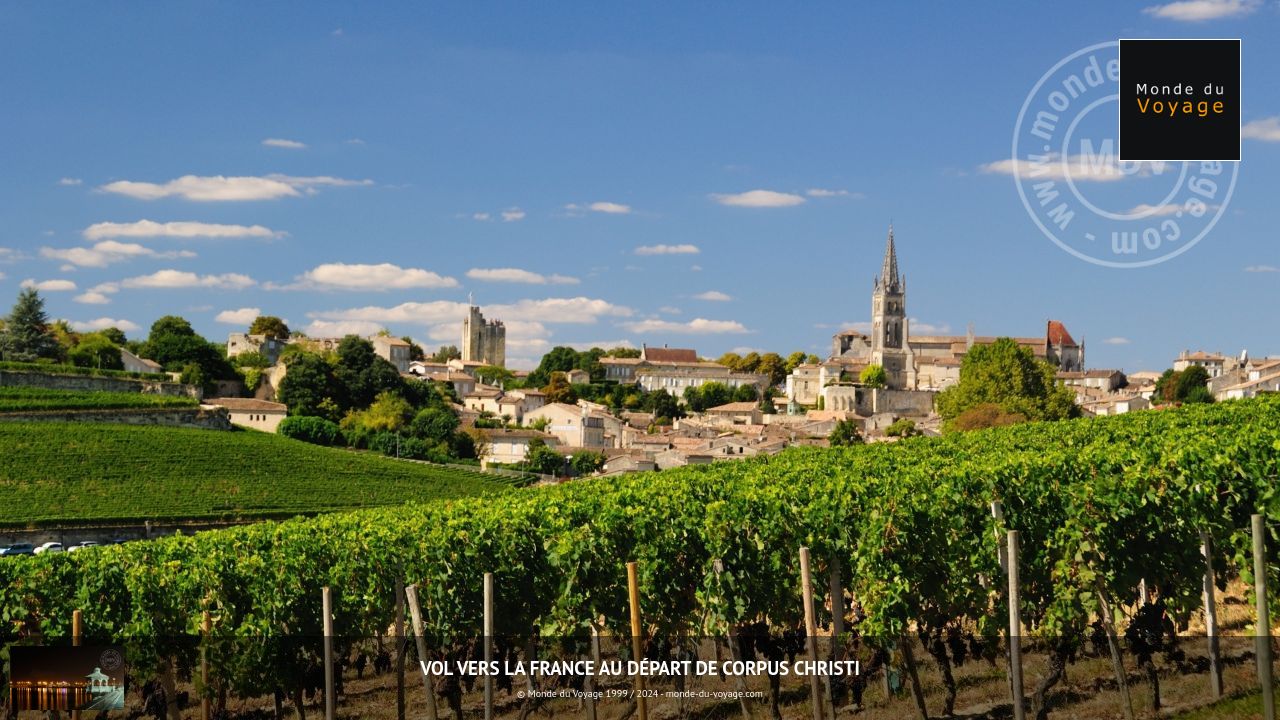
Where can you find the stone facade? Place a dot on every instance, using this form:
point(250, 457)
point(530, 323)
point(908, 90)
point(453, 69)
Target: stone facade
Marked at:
point(483, 340)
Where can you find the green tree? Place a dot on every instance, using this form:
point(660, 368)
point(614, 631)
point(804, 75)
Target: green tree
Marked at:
point(95, 350)
point(1192, 386)
point(558, 390)
point(364, 374)
point(445, 354)
point(434, 423)
point(1010, 377)
point(845, 433)
point(115, 335)
point(586, 462)
point(560, 359)
point(873, 376)
point(795, 360)
point(663, 405)
point(175, 345)
point(388, 413)
point(709, 395)
point(251, 359)
point(493, 375)
point(774, 366)
point(416, 353)
point(269, 325)
point(27, 335)
point(902, 427)
point(745, 393)
point(311, 388)
point(542, 459)
point(985, 415)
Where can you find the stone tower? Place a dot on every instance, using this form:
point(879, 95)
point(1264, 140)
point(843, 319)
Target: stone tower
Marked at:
point(889, 347)
point(483, 340)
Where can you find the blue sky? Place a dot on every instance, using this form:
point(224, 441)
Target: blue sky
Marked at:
point(587, 172)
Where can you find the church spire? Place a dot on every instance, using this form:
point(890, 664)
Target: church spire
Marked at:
point(889, 278)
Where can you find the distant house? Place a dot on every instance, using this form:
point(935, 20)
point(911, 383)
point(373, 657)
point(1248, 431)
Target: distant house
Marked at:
point(269, 347)
point(393, 350)
point(133, 363)
point(1107, 380)
point(572, 425)
point(578, 377)
point(736, 413)
point(1213, 363)
point(510, 447)
point(674, 370)
point(257, 414)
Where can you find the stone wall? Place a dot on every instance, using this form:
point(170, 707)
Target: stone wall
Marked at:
point(106, 532)
point(902, 402)
point(89, 383)
point(204, 417)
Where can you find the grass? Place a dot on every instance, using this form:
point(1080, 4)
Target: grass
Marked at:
point(67, 474)
point(25, 399)
point(1241, 707)
point(55, 369)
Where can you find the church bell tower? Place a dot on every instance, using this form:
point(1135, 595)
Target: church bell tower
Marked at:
point(889, 348)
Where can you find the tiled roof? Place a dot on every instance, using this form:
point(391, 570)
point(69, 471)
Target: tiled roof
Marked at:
point(653, 354)
point(1058, 334)
point(247, 404)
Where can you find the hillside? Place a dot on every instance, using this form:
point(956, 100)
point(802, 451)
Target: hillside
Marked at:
point(58, 473)
point(25, 399)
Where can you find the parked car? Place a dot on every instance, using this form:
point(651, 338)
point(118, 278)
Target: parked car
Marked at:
point(82, 545)
point(18, 549)
point(49, 547)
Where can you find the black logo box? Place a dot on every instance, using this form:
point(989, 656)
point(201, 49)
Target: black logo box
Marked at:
point(1187, 68)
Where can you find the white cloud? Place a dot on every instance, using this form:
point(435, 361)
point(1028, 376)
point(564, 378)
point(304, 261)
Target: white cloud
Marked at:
point(384, 276)
point(219, 188)
point(516, 275)
point(1262, 269)
point(70, 181)
point(1267, 129)
point(667, 250)
point(179, 279)
point(2, 276)
point(668, 309)
point(602, 344)
point(610, 207)
point(103, 323)
point(49, 285)
point(9, 255)
point(1116, 341)
point(1197, 10)
point(243, 316)
point(92, 297)
point(354, 141)
point(758, 199)
point(481, 216)
point(1162, 210)
point(341, 328)
point(512, 214)
point(283, 143)
point(713, 296)
point(825, 193)
point(575, 310)
point(150, 228)
point(107, 252)
point(1080, 168)
point(697, 326)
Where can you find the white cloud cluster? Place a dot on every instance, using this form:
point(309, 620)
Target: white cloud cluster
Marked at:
point(1080, 168)
point(357, 276)
point(1116, 341)
point(283, 143)
point(697, 326)
point(243, 316)
point(825, 193)
point(103, 323)
point(49, 285)
point(1266, 129)
point(70, 181)
point(667, 250)
point(758, 199)
point(610, 208)
point(106, 252)
point(165, 279)
point(1262, 269)
point(183, 230)
point(512, 214)
point(713, 296)
point(220, 188)
point(1198, 10)
point(575, 310)
point(516, 275)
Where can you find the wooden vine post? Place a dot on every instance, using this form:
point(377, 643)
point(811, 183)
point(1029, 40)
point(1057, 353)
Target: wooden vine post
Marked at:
point(401, 646)
point(488, 645)
point(836, 595)
point(1211, 616)
point(330, 698)
point(637, 640)
point(1263, 630)
point(811, 631)
point(415, 613)
point(1015, 628)
point(1113, 643)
